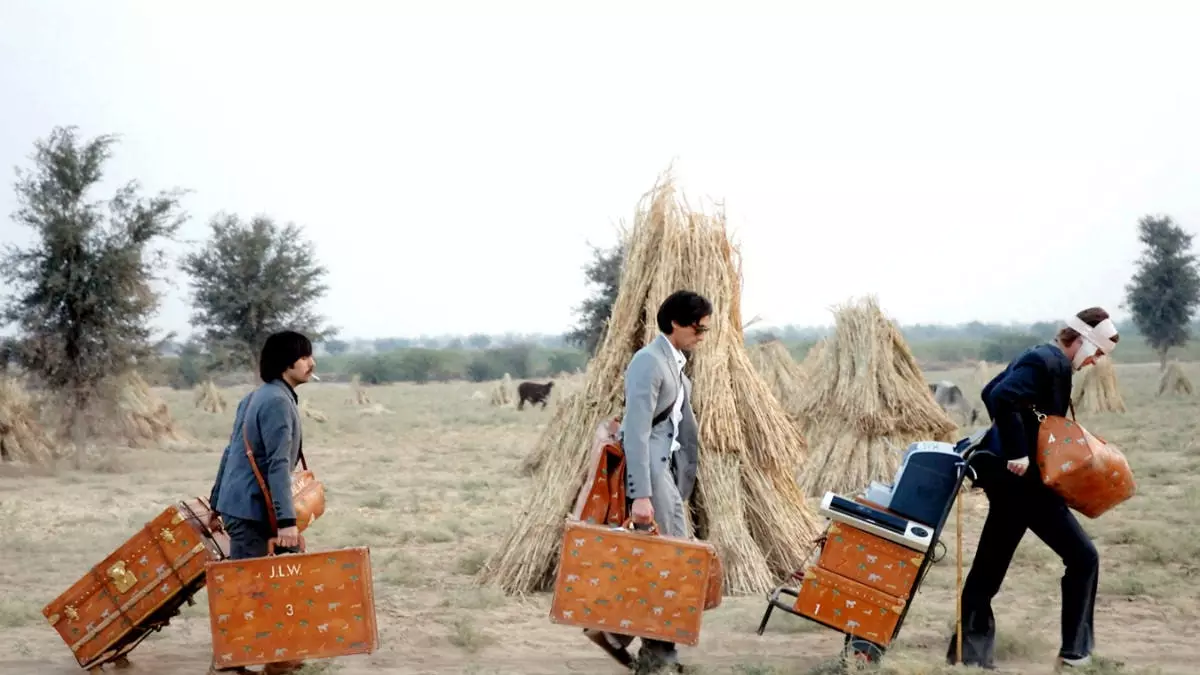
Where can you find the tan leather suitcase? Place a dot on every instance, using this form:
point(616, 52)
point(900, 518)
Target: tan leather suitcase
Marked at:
point(139, 587)
point(601, 500)
point(870, 560)
point(293, 606)
point(631, 582)
point(848, 606)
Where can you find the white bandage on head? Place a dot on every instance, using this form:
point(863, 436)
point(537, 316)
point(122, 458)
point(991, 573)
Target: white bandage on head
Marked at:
point(1097, 338)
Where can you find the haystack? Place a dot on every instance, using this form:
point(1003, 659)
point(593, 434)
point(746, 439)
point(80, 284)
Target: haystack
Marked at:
point(747, 502)
point(1174, 381)
point(811, 363)
point(312, 413)
point(22, 438)
point(865, 401)
point(783, 375)
point(209, 398)
point(504, 393)
point(1096, 390)
point(984, 372)
point(376, 409)
point(144, 418)
point(358, 395)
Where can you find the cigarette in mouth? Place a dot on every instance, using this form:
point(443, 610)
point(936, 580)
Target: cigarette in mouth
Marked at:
point(314, 376)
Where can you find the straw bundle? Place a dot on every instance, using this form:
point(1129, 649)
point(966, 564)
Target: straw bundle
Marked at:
point(209, 398)
point(375, 409)
point(747, 502)
point(358, 395)
point(312, 413)
point(865, 401)
point(783, 375)
point(1174, 381)
point(144, 418)
point(21, 435)
point(811, 362)
point(984, 372)
point(504, 393)
point(1096, 390)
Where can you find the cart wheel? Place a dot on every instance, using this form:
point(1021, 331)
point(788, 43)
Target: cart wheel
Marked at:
point(864, 651)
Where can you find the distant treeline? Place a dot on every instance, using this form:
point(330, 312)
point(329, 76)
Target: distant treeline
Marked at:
point(415, 364)
point(934, 347)
point(975, 331)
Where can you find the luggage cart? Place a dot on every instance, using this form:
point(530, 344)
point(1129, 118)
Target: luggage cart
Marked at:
point(865, 649)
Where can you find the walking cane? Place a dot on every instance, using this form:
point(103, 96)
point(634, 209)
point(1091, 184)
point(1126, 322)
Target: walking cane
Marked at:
point(958, 585)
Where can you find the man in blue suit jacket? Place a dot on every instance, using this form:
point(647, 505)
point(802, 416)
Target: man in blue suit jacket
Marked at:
point(269, 417)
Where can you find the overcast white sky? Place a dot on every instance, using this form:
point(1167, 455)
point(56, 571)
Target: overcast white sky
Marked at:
point(451, 168)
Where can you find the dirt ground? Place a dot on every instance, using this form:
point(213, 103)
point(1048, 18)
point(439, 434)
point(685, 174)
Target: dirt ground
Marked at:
point(430, 483)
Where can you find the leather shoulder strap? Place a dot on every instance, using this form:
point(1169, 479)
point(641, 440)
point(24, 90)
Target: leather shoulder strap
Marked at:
point(262, 484)
point(661, 416)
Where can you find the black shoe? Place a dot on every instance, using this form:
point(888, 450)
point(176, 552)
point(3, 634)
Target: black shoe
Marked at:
point(616, 651)
point(976, 652)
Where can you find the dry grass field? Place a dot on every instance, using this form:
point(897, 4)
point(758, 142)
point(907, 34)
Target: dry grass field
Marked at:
point(431, 484)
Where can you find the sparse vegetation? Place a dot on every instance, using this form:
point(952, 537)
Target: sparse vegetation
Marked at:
point(432, 489)
point(429, 476)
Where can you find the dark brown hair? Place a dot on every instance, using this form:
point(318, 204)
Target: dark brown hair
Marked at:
point(280, 352)
point(1092, 316)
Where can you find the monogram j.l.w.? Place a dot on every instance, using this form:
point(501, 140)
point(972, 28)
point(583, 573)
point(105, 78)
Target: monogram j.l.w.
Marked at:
point(294, 606)
point(289, 570)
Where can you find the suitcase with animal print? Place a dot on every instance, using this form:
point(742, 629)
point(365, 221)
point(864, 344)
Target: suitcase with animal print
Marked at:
point(630, 582)
point(870, 560)
point(848, 606)
point(292, 607)
point(602, 500)
point(139, 587)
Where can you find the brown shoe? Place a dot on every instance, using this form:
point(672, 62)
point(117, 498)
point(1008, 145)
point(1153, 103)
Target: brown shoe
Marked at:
point(282, 667)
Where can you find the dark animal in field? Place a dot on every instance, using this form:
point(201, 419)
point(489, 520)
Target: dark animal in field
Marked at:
point(951, 399)
point(533, 392)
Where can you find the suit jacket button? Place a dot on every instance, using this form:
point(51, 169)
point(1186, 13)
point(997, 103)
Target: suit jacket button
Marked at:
point(664, 459)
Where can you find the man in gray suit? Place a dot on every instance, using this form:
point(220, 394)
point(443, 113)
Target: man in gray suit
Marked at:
point(660, 438)
point(270, 418)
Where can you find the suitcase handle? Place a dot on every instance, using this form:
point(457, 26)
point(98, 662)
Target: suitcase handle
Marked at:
point(274, 540)
point(652, 528)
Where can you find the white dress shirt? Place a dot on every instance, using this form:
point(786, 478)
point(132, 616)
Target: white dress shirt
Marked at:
point(677, 412)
